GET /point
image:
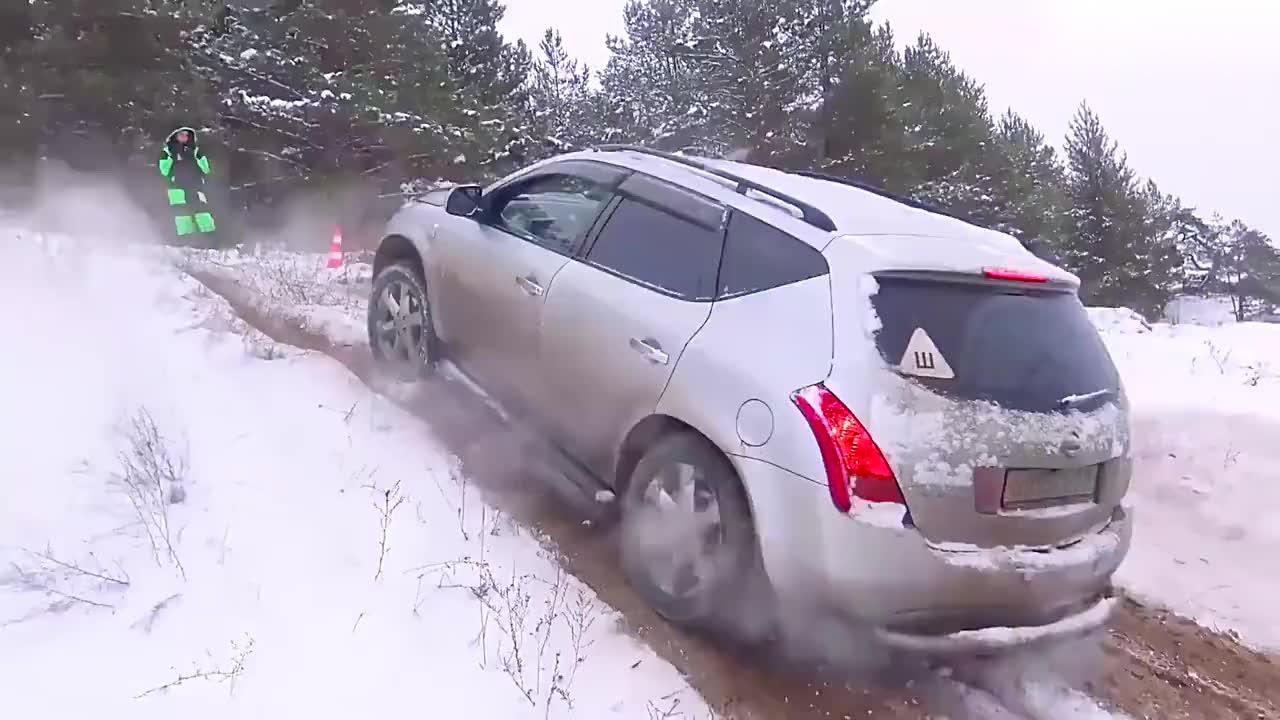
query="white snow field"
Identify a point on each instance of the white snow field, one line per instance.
(1206, 417)
(190, 529)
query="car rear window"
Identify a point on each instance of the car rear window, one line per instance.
(1022, 349)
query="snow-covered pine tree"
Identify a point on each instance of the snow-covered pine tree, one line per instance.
(1159, 247)
(1109, 241)
(1199, 243)
(861, 133)
(952, 155)
(85, 75)
(22, 124)
(1037, 200)
(1229, 258)
(743, 54)
(487, 79)
(561, 98)
(650, 88)
(1259, 290)
(830, 41)
(318, 87)
(288, 76)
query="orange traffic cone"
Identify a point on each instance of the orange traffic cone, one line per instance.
(335, 248)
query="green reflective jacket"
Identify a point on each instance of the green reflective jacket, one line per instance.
(169, 157)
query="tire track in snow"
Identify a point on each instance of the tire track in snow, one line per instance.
(1022, 687)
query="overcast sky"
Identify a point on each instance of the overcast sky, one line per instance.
(1190, 88)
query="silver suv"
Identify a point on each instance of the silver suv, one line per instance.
(786, 381)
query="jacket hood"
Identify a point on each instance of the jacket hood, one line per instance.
(173, 136)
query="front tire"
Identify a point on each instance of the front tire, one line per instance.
(401, 333)
(688, 540)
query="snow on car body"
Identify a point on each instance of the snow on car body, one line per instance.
(894, 414)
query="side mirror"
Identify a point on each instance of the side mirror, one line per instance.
(464, 201)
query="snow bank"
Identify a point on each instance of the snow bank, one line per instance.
(1118, 320)
(1206, 430)
(322, 556)
(1210, 311)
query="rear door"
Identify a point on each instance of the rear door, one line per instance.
(615, 324)
(1015, 431)
(496, 274)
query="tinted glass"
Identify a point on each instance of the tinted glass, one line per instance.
(652, 248)
(552, 210)
(758, 256)
(1021, 350)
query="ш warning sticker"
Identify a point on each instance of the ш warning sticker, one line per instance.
(923, 359)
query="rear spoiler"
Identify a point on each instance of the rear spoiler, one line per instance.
(1006, 278)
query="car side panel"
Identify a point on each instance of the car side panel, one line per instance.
(596, 383)
(738, 373)
(761, 348)
(501, 283)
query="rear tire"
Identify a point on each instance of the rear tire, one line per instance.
(688, 541)
(401, 332)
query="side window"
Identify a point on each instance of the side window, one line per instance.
(659, 250)
(553, 211)
(758, 256)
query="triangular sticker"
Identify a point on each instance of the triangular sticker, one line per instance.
(923, 359)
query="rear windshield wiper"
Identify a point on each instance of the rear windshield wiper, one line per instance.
(1071, 401)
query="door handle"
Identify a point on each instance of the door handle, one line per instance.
(529, 285)
(650, 350)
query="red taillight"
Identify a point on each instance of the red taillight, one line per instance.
(996, 273)
(854, 464)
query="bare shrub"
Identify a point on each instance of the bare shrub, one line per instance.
(284, 282)
(284, 285)
(1256, 373)
(1219, 356)
(149, 620)
(664, 709)
(459, 480)
(668, 707)
(225, 672)
(525, 644)
(388, 502)
(152, 475)
(1231, 457)
(258, 345)
(511, 605)
(580, 616)
(68, 582)
(47, 560)
(221, 318)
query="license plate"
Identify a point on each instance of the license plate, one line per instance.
(1041, 487)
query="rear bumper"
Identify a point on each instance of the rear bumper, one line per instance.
(875, 571)
(944, 600)
(994, 639)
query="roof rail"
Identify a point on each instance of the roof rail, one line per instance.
(809, 213)
(904, 199)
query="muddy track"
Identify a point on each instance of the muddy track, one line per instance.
(1149, 664)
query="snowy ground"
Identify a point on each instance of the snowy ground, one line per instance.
(1206, 412)
(195, 522)
(1206, 404)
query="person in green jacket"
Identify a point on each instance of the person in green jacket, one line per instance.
(186, 167)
